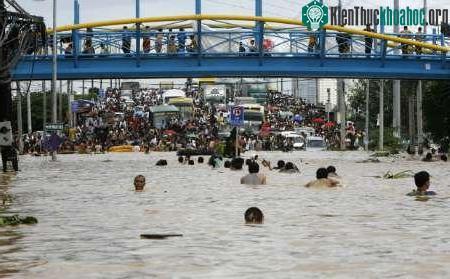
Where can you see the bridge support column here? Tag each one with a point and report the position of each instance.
(419, 114)
(381, 118)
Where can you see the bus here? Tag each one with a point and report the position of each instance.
(185, 105)
(254, 116)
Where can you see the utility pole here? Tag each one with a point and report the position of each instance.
(396, 119)
(30, 128)
(366, 138)
(55, 69)
(60, 111)
(411, 123)
(44, 105)
(381, 117)
(341, 95)
(19, 116)
(419, 115)
(69, 102)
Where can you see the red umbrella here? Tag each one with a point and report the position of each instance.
(318, 120)
(329, 124)
(169, 132)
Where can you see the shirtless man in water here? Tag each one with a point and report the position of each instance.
(253, 178)
(322, 180)
(422, 181)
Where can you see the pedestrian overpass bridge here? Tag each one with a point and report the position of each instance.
(282, 48)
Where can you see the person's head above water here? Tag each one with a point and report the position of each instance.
(331, 169)
(227, 164)
(281, 164)
(428, 157)
(200, 160)
(139, 182)
(237, 163)
(161, 162)
(180, 159)
(422, 180)
(253, 167)
(289, 166)
(254, 215)
(322, 173)
(191, 162)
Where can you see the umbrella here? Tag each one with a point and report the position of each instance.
(318, 120)
(329, 124)
(169, 132)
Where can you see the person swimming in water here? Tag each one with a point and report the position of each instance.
(254, 215)
(289, 168)
(254, 177)
(332, 172)
(322, 180)
(280, 165)
(139, 183)
(422, 181)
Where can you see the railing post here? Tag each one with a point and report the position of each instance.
(383, 51)
(443, 54)
(138, 34)
(198, 11)
(75, 36)
(322, 46)
(259, 30)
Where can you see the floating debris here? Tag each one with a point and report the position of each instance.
(159, 236)
(402, 174)
(17, 220)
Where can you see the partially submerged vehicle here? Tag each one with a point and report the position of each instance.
(315, 142)
(298, 141)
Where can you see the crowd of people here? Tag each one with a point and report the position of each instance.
(179, 41)
(117, 120)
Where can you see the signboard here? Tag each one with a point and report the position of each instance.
(6, 138)
(54, 127)
(314, 15)
(237, 116)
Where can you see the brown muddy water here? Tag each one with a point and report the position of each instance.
(90, 220)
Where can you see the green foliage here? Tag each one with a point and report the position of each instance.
(390, 143)
(37, 104)
(357, 101)
(436, 104)
(220, 149)
(17, 220)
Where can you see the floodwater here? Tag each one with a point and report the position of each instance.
(90, 220)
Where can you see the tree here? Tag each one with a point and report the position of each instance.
(436, 104)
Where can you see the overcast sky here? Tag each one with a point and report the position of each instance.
(95, 10)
